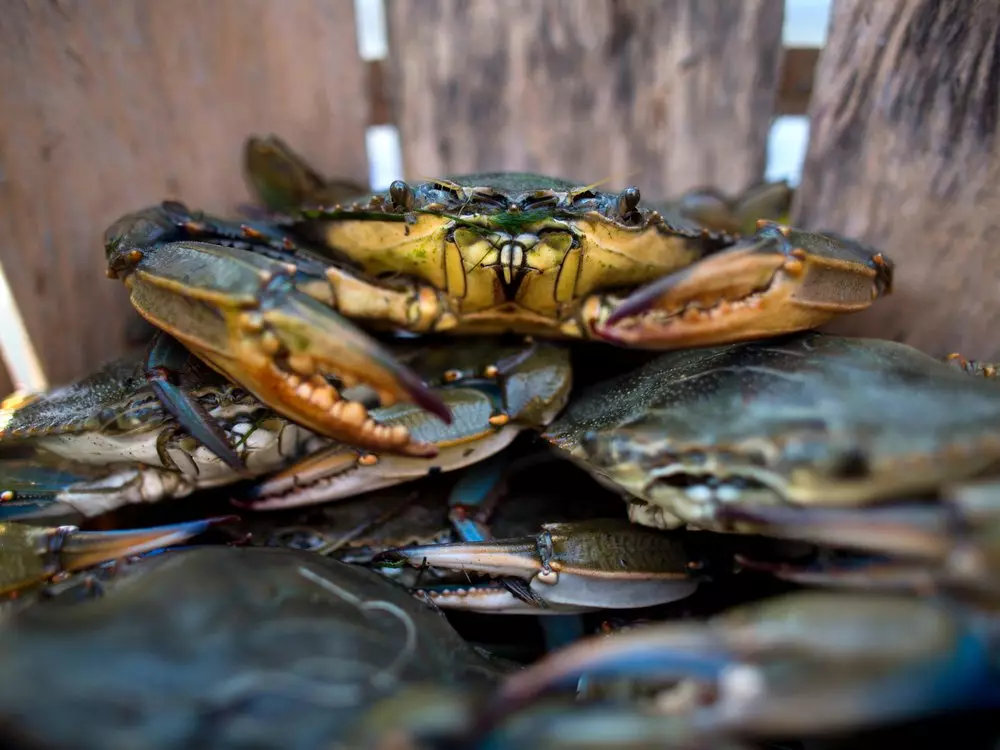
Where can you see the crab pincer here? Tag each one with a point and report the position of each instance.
(242, 313)
(803, 664)
(779, 281)
(32, 555)
(567, 567)
(283, 181)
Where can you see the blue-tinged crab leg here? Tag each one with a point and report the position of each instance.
(912, 529)
(165, 359)
(30, 490)
(865, 573)
(82, 549)
(474, 496)
(797, 665)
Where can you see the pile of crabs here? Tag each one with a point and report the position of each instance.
(497, 461)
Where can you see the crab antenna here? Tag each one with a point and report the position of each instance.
(609, 178)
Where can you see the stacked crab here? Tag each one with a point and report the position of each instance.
(373, 381)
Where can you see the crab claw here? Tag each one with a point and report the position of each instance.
(342, 471)
(947, 543)
(32, 554)
(283, 181)
(568, 567)
(738, 215)
(488, 414)
(242, 314)
(779, 281)
(82, 549)
(798, 665)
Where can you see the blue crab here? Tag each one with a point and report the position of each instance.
(277, 304)
(852, 444)
(106, 440)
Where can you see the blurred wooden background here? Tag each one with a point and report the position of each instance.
(111, 105)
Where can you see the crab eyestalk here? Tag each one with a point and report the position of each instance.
(780, 281)
(242, 313)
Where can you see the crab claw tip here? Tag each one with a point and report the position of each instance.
(428, 400)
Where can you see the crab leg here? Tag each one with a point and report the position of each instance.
(779, 281)
(244, 316)
(797, 665)
(166, 358)
(974, 367)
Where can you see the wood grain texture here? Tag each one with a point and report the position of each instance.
(903, 154)
(110, 106)
(667, 95)
(6, 385)
(798, 70)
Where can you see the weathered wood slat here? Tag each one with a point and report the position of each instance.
(667, 95)
(6, 385)
(904, 154)
(798, 69)
(110, 106)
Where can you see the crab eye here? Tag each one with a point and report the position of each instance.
(628, 205)
(401, 195)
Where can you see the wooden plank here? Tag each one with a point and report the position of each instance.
(905, 125)
(110, 106)
(667, 96)
(6, 385)
(798, 69)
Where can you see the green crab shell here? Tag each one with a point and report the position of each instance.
(808, 420)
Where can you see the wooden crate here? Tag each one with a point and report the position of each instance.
(110, 105)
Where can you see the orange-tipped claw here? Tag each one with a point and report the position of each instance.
(780, 281)
(242, 313)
